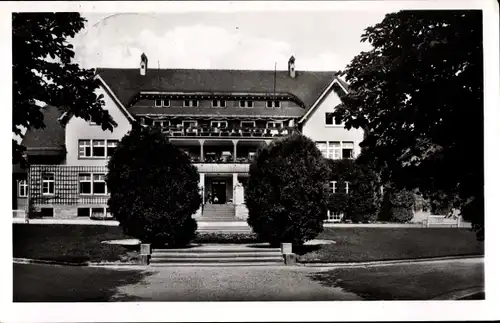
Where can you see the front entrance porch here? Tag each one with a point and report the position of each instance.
(223, 197)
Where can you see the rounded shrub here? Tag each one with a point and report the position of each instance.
(285, 193)
(398, 205)
(153, 189)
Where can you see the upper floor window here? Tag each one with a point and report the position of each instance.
(22, 190)
(190, 103)
(336, 149)
(273, 104)
(92, 184)
(48, 184)
(275, 124)
(246, 104)
(247, 124)
(330, 120)
(219, 103)
(218, 124)
(162, 103)
(333, 186)
(100, 149)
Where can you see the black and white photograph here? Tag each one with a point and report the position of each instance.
(169, 153)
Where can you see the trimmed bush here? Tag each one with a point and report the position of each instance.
(285, 193)
(398, 205)
(226, 237)
(154, 189)
(359, 202)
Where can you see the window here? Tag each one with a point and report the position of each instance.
(98, 148)
(274, 124)
(347, 187)
(98, 212)
(47, 212)
(84, 148)
(190, 103)
(83, 212)
(162, 103)
(330, 120)
(347, 150)
(273, 104)
(246, 104)
(85, 180)
(218, 124)
(334, 217)
(219, 103)
(189, 124)
(336, 149)
(111, 146)
(333, 186)
(48, 183)
(22, 188)
(247, 124)
(92, 122)
(99, 184)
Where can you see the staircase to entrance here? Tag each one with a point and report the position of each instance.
(218, 213)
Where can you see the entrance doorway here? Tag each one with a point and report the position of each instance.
(219, 192)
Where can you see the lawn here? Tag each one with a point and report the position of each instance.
(70, 243)
(44, 283)
(417, 281)
(368, 244)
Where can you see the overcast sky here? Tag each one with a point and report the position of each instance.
(240, 40)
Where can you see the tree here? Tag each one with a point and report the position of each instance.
(285, 193)
(153, 189)
(42, 70)
(356, 190)
(418, 94)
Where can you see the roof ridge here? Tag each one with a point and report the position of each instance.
(212, 69)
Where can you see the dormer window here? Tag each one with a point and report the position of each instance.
(190, 103)
(273, 104)
(274, 124)
(219, 103)
(162, 103)
(246, 104)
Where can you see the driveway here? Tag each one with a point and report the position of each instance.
(420, 281)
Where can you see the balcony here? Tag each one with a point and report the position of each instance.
(180, 131)
(222, 168)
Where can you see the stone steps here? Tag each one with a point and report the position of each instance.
(217, 255)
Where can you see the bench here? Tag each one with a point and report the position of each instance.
(441, 220)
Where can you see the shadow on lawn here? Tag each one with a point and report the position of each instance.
(47, 283)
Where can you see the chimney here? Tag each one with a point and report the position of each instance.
(291, 67)
(144, 64)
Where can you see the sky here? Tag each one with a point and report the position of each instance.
(319, 40)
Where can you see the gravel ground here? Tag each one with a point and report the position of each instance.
(232, 284)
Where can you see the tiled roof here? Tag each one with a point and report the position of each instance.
(127, 83)
(49, 138)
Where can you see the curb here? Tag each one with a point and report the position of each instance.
(76, 264)
(459, 294)
(385, 262)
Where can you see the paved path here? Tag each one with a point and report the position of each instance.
(232, 284)
(419, 281)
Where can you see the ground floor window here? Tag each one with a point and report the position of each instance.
(23, 188)
(334, 216)
(94, 212)
(47, 212)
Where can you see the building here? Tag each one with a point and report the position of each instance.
(219, 117)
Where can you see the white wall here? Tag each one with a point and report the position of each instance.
(77, 129)
(316, 129)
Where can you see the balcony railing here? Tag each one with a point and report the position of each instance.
(218, 159)
(179, 131)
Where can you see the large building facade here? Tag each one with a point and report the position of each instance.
(219, 117)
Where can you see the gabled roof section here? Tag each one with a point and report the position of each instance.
(307, 86)
(50, 138)
(336, 81)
